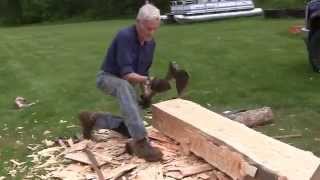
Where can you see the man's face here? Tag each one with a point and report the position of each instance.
(147, 28)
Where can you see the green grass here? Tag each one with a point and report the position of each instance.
(239, 63)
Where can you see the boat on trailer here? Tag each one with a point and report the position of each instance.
(184, 11)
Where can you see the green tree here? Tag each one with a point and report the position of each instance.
(12, 11)
(33, 11)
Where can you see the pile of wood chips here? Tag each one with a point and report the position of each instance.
(68, 160)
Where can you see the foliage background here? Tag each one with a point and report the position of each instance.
(13, 12)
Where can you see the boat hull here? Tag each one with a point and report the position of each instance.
(213, 16)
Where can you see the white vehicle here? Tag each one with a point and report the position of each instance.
(183, 11)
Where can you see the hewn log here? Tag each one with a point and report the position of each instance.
(316, 175)
(238, 151)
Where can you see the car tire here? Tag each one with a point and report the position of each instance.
(314, 50)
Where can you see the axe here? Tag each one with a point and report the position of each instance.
(157, 85)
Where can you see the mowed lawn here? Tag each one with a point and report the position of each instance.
(238, 63)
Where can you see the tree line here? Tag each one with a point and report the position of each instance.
(34, 11)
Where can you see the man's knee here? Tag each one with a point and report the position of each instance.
(125, 85)
(126, 90)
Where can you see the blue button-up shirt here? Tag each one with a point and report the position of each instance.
(126, 54)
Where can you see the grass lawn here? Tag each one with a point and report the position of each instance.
(239, 63)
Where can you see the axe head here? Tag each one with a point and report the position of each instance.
(180, 75)
(160, 85)
(182, 79)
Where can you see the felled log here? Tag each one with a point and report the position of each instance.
(253, 117)
(238, 151)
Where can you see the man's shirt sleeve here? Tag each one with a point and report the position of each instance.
(150, 61)
(123, 57)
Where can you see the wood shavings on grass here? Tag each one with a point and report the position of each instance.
(67, 160)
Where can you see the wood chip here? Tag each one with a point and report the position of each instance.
(61, 143)
(119, 171)
(21, 102)
(16, 162)
(46, 132)
(51, 161)
(83, 158)
(203, 176)
(151, 173)
(67, 175)
(70, 142)
(115, 164)
(154, 134)
(191, 170)
(48, 143)
(189, 178)
(221, 176)
(79, 146)
(174, 174)
(288, 136)
(50, 151)
(169, 178)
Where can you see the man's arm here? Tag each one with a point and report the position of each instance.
(135, 78)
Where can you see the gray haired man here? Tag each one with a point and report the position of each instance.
(126, 65)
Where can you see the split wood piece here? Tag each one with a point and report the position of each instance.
(70, 172)
(203, 176)
(167, 147)
(94, 163)
(153, 172)
(49, 162)
(119, 171)
(238, 151)
(169, 178)
(83, 158)
(192, 170)
(67, 175)
(156, 135)
(190, 178)
(220, 176)
(174, 174)
(61, 143)
(70, 142)
(16, 163)
(182, 172)
(79, 146)
(49, 151)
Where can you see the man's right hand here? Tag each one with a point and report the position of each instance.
(150, 87)
(135, 78)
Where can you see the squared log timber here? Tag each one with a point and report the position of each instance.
(240, 152)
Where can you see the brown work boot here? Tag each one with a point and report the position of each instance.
(143, 149)
(87, 121)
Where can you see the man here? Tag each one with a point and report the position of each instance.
(126, 65)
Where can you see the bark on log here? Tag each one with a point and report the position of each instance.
(252, 118)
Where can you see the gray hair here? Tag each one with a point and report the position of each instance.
(148, 12)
